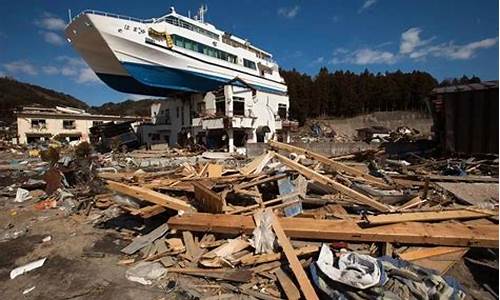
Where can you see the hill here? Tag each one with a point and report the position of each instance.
(129, 107)
(15, 94)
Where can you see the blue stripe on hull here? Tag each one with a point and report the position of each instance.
(127, 84)
(170, 79)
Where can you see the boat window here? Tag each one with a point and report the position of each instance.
(201, 48)
(249, 64)
(181, 23)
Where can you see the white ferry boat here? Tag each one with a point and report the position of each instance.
(169, 55)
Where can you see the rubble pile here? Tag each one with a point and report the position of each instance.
(288, 224)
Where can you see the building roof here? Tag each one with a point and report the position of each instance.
(72, 112)
(493, 84)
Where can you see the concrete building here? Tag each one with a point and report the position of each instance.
(66, 123)
(226, 118)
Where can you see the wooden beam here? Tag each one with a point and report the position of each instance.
(429, 216)
(149, 195)
(148, 211)
(263, 204)
(337, 166)
(310, 174)
(256, 165)
(230, 275)
(291, 291)
(304, 283)
(261, 181)
(207, 199)
(268, 257)
(428, 252)
(443, 234)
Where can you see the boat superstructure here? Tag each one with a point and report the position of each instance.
(169, 55)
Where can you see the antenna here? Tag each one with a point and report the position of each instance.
(189, 14)
(69, 15)
(201, 12)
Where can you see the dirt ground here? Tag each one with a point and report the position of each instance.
(81, 260)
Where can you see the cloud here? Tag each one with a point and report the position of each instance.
(22, 67)
(50, 70)
(410, 40)
(416, 48)
(289, 12)
(412, 46)
(86, 75)
(318, 61)
(51, 22)
(52, 38)
(364, 56)
(51, 25)
(367, 4)
(74, 68)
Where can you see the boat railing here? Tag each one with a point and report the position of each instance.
(117, 16)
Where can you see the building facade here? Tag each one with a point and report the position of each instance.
(64, 123)
(226, 118)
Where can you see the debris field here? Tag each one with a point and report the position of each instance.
(288, 224)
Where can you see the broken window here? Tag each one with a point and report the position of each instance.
(38, 123)
(155, 136)
(69, 124)
(165, 117)
(282, 111)
(238, 106)
(220, 106)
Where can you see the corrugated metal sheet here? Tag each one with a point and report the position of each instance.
(466, 117)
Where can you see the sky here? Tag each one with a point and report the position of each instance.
(447, 38)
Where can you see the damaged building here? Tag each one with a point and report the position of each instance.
(226, 118)
(64, 123)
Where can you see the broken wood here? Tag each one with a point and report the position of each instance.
(269, 257)
(142, 241)
(148, 211)
(427, 216)
(207, 199)
(304, 283)
(310, 174)
(291, 291)
(337, 166)
(444, 234)
(256, 165)
(230, 275)
(149, 195)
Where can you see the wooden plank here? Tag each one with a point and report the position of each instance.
(427, 216)
(291, 291)
(214, 170)
(255, 164)
(310, 174)
(428, 252)
(261, 181)
(304, 283)
(440, 259)
(148, 211)
(263, 204)
(337, 166)
(207, 199)
(191, 249)
(230, 275)
(268, 257)
(149, 195)
(443, 234)
(144, 240)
